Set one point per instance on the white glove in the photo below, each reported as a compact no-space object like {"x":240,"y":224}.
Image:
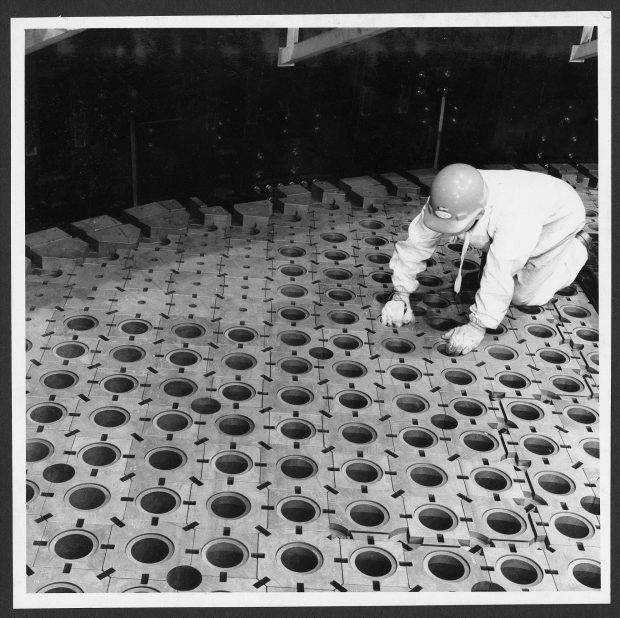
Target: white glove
{"x":397,"y":312}
{"x":464,"y":339}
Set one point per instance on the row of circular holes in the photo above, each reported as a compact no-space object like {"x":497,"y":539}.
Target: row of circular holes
{"x":377,"y":563}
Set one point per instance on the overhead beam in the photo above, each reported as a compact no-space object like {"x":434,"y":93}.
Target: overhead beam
{"x":587,"y":48}
{"x":295,"y":50}
{"x":39,"y":38}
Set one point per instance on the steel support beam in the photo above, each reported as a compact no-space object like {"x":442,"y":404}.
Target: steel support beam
{"x":295,"y":50}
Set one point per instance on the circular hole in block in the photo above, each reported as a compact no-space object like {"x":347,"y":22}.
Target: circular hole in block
{"x":442,"y":324}
{"x":405,"y":373}
{"x":235,"y":425}
{"x":540,"y":331}
{"x":354,"y":400}
{"x":183,"y":358}
{"x":166,"y":458}
{"x":60,"y":587}
{"x":347,"y":342}
{"x":81,"y":322}
{"x":374,"y":562}
{"x":320,"y":353}
{"x":340,"y":295}
{"x":343,"y":317}
{"x":296,"y":429}
{"x":504,"y":522}
{"x":376,"y":241}
{"x":350,"y":369}
{"x":593,"y":358}
{"x":293,"y":291}
{"x":479,"y":441}
{"x":539,"y":445}
{"x":492,"y":479}
{"x":444,"y":421}
{"x":298,"y":509}
{"x":229,"y":505}
{"x":237,"y":391}
{"x":436,"y":517}
{"x":487,"y":587}
{"x":435,"y":301}
{"x":100,"y":455}
{"x":555,"y":483}
{"x":414,"y":404}
{"x":587,"y":573}
{"x":241,"y":334}
{"x":232,"y":463}
{"x":501,"y":352}
{"x":500,"y":330}
{"x":184,"y":578}
{"x":591,"y":447}
{"x":70,"y":350}
{"x":468,"y":407}
{"x":529,"y":309}
{"x":335,"y":256}
{"x":128,"y":354}
{"x":292,"y":251}
{"x":74,"y":544}
{"x":378,"y":258}
{"x":380,"y":277}
{"x":553,"y":357}
{"x":87,"y":497}
{"x":46,"y":413}
{"x":135,"y":327}
{"x":468,"y":265}
{"x":367,"y":514}
{"x":59,"y":473}
{"x":59,"y":379}
{"x":295,"y":365}
{"x":119,"y":384}
{"x":28,"y":345}
{"x":569,"y":290}
{"x":179,"y":387}
{"x":32,"y":491}
{"x":447,"y":566}
{"x":159,"y":501}
{"x":591,"y":504}
{"x":513,"y":380}
{"x":427,"y":475}
{"x":225,"y":553}
{"x":567,"y":384}
{"x":461,"y":377}
{"x":383,"y":297}
{"x":358,"y":433}
{"x":429,"y":281}
{"x":172,"y":421}
{"x":362,"y":471}
{"x":297,"y":467}
{"x":572,"y":526}
{"x":587,"y":334}
{"x":294,"y":314}
{"x":525,"y":411}
{"x":293,"y":270}
{"x":205,"y":405}
{"x":521,"y":571}
{"x":333,"y":237}
{"x":575,"y":312}
{"x":371,"y":224}
{"x":419,"y":438}
{"x":296,"y":396}
{"x":150,"y":548}
{"x":337,"y":274}
{"x":188,"y":330}
{"x":300,"y":558}
{"x":294,"y":338}
{"x":457,"y":247}
{"x":110,"y":417}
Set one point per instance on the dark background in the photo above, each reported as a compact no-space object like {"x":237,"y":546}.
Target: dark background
{"x":215,"y":117}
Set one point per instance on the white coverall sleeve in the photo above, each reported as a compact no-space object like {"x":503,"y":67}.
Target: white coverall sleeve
{"x":511,"y":248}
{"x":409,"y":255}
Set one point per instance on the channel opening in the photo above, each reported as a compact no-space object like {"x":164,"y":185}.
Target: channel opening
{"x":354,"y":400}
{"x":294,"y":314}
{"x":573,"y":526}
{"x":150,"y":548}
{"x":298,"y":467}
{"x":184,"y":578}
{"x":358,"y":433}
{"x":88,"y":497}
{"x":540,"y":445}
{"x":300,"y":558}
{"x":189,"y":330}
{"x":341,"y":296}
{"x":405,"y":373}
{"x":293,"y":291}
{"x":59,"y":379}
{"x":374,"y":562}
{"x":567,"y":384}
{"x":363,"y":471}
{"x":296,"y":366}
{"x":350,"y":369}
{"x":461,"y":377}
{"x":237,"y":392}
{"x":70,"y":350}
{"x":158,"y":501}
{"x":235,"y":425}
{"x":338,"y":274}
{"x":166,"y":458}
{"x":296,"y":429}
{"x":435,"y":301}
{"x":293,"y":270}
{"x":469,"y":407}
{"x":183,"y":358}
{"x":172,"y":421}
{"x":429,"y":281}
{"x":492,"y":480}
{"x":320,"y":353}
{"x":59,"y":473}
{"x":555,"y":483}
{"x":74,"y":545}
{"x":46,"y":413}
{"x":292,"y":252}
{"x":336,"y":256}
{"x":587,"y":334}
{"x":347,"y":342}
{"x":540,"y":331}
{"x":479,"y":441}
{"x":38,"y":450}
{"x":437,"y":518}
{"x":444,"y":421}
{"x":81,"y":322}
{"x":521,"y":571}
{"x":588,"y":574}
{"x":411,"y":403}
{"x":501,"y":352}
{"x":378,"y":258}
{"x":505,"y":522}
{"x":232,"y":463}
{"x":333,"y":238}
{"x":100,"y":455}
{"x":294,"y":338}
{"x":229,"y":505}
{"x":119,"y":384}
{"x":239,"y":334}
{"x":135,"y":327}
{"x":128,"y":354}
{"x":205,"y":405}
{"x":299,"y":510}
{"x":343,"y":317}
{"x":447,"y":566}
{"x":419,"y":438}
{"x":553,"y":357}
{"x":368,"y":514}
{"x":427,"y":475}
{"x":591,"y":447}
{"x":178,"y":387}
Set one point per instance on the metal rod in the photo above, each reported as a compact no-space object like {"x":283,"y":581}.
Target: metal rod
{"x":439,"y":130}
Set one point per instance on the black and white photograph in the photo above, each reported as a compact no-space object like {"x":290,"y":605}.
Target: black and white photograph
{"x":311,"y":304}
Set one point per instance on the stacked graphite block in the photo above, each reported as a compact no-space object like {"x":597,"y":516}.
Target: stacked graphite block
{"x":220,"y":409}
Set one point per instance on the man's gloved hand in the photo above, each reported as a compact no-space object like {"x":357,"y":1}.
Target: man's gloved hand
{"x":464,"y":339}
{"x":397,"y":312}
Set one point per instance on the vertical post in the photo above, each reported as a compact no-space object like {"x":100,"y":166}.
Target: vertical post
{"x":439,"y":130}
{"x":134,"y":166}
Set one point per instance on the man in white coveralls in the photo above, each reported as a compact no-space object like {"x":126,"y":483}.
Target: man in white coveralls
{"x":529,"y":224}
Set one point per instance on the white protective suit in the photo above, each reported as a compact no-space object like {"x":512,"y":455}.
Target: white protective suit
{"x":528,"y":227}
